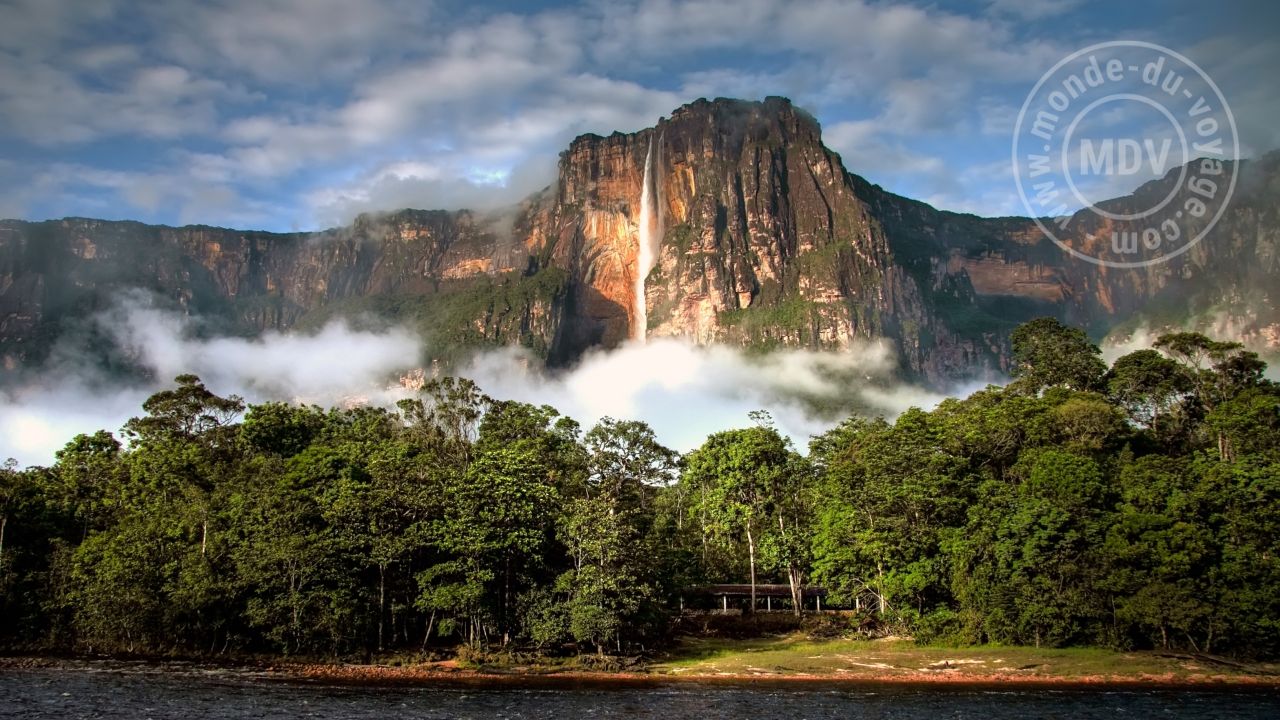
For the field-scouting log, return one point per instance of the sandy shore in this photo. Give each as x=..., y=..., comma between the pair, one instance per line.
x=377, y=674
x=449, y=673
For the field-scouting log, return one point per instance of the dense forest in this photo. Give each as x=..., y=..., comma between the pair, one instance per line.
x=1135, y=506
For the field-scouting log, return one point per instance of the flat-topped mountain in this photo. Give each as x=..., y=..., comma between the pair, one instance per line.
x=728, y=222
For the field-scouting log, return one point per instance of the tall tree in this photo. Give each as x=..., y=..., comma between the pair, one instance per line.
x=494, y=537
x=626, y=461
x=739, y=474
x=1147, y=385
x=1047, y=353
x=888, y=493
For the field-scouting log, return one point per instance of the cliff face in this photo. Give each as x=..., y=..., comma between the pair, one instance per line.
x=458, y=273
x=1225, y=284
x=765, y=240
x=759, y=236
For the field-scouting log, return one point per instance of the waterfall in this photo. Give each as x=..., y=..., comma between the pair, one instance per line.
x=650, y=237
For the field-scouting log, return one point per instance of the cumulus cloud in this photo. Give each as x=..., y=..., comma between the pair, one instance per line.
x=295, y=112
x=41, y=28
x=865, y=148
x=294, y=42
x=75, y=396
x=1232, y=60
x=322, y=97
x=659, y=382
x=335, y=362
x=198, y=197
x=874, y=42
x=423, y=185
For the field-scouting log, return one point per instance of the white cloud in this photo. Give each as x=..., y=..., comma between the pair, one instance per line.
x=657, y=382
x=417, y=184
x=1233, y=62
x=304, y=100
x=293, y=42
x=997, y=117
x=41, y=28
x=865, y=149
x=869, y=148
x=121, y=194
x=922, y=105
x=48, y=105
x=981, y=189
x=73, y=397
x=1033, y=9
x=103, y=58
x=456, y=98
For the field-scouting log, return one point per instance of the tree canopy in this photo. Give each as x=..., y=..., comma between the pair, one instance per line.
x=1134, y=506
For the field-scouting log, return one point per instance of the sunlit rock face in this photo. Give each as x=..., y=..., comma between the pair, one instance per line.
x=760, y=237
x=764, y=241
x=768, y=240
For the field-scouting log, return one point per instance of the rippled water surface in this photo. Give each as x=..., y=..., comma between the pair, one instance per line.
x=192, y=695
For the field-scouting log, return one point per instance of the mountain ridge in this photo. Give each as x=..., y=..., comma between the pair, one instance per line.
x=767, y=240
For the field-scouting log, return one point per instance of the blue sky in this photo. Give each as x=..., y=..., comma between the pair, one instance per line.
x=297, y=114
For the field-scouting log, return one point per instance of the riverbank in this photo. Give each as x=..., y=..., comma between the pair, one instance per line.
x=782, y=659
x=902, y=661
x=219, y=694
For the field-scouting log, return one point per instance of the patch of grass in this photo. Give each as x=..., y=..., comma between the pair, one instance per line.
x=796, y=654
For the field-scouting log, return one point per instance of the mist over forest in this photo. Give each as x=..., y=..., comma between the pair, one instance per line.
x=1130, y=506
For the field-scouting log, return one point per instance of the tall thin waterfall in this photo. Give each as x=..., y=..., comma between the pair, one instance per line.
x=650, y=237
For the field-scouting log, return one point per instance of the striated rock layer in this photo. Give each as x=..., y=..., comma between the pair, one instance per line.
x=765, y=240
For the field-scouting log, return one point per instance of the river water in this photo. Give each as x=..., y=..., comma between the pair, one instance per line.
x=234, y=696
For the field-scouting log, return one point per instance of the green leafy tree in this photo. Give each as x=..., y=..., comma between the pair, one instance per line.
x=1047, y=353
x=1147, y=385
x=1134, y=509
x=1158, y=552
x=888, y=494
x=607, y=586
x=446, y=417
x=281, y=429
x=611, y=587
x=740, y=476
x=1247, y=424
x=1027, y=565
x=11, y=482
x=626, y=461
x=1087, y=423
x=495, y=534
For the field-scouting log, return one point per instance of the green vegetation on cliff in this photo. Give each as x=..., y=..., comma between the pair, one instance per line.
x=463, y=315
x=768, y=326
